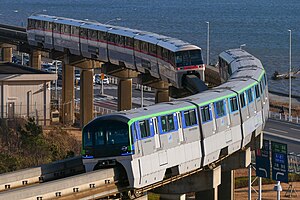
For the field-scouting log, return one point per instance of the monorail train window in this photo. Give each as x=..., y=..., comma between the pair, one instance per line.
x=265, y=79
x=144, y=47
x=99, y=137
x=56, y=27
x=165, y=54
x=152, y=49
x=144, y=128
x=233, y=104
x=172, y=57
x=75, y=30
x=205, y=114
x=88, y=139
x=31, y=23
x=220, y=108
x=243, y=101
x=182, y=58
x=66, y=29
x=46, y=25
x=190, y=117
x=137, y=45
x=92, y=34
x=196, y=57
x=83, y=32
x=120, y=40
x=250, y=95
x=167, y=123
x=128, y=42
x=159, y=51
x=257, y=93
x=101, y=35
x=38, y=24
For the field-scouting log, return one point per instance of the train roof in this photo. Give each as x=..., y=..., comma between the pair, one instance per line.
x=169, y=43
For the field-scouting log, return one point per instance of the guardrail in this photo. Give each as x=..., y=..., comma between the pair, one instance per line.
x=284, y=117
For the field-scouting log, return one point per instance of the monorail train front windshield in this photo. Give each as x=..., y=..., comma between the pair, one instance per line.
x=106, y=138
x=188, y=58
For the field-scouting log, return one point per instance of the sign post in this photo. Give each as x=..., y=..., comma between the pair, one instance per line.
x=279, y=165
x=263, y=167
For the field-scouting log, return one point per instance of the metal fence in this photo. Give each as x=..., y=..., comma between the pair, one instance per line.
x=283, y=117
x=294, y=163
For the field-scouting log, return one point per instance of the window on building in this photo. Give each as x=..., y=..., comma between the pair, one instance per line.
x=242, y=99
x=144, y=128
x=220, y=108
x=233, y=104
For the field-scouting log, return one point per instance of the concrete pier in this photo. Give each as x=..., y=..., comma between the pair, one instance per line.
x=125, y=94
x=6, y=54
x=86, y=96
x=36, y=59
x=67, y=92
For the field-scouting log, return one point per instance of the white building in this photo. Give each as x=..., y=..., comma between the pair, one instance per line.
x=24, y=92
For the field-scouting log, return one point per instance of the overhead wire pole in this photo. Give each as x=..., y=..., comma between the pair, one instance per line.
x=290, y=78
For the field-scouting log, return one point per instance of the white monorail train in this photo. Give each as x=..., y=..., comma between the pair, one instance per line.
x=163, y=57
x=186, y=134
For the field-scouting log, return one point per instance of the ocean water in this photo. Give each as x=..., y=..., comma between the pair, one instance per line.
x=260, y=24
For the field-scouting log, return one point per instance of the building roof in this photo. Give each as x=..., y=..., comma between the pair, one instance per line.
x=10, y=71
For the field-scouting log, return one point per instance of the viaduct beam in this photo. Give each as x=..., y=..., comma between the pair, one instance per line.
x=204, y=183
x=162, y=87
x=124, y=84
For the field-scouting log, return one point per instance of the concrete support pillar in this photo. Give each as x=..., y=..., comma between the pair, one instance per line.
x=211, y=194
x=67, y=93
x=36, y=59
x=86, y=96
x=124, y=94
x=162, y=95
x=7, y=54
x=226, y=189
x=144, y=197
x=172, y=196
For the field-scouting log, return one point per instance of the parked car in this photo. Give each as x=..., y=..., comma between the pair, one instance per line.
x=98, y=80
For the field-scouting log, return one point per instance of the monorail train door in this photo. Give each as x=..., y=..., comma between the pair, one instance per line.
x=180, y=130
x=156, y=133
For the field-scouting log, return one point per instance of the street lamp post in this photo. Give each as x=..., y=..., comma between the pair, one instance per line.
x=290, y=78
x=207, y=56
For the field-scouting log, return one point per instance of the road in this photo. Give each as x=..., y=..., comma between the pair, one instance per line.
x=284, y=132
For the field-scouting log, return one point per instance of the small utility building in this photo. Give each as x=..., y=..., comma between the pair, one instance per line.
x=25, y=92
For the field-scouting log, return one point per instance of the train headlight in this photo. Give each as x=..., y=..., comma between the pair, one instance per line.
x=124, y=148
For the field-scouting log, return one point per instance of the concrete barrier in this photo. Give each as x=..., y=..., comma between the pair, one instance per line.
x=62, y=187
x=55, y=170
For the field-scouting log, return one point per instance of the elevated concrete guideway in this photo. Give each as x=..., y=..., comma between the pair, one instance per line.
x=16, y=37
